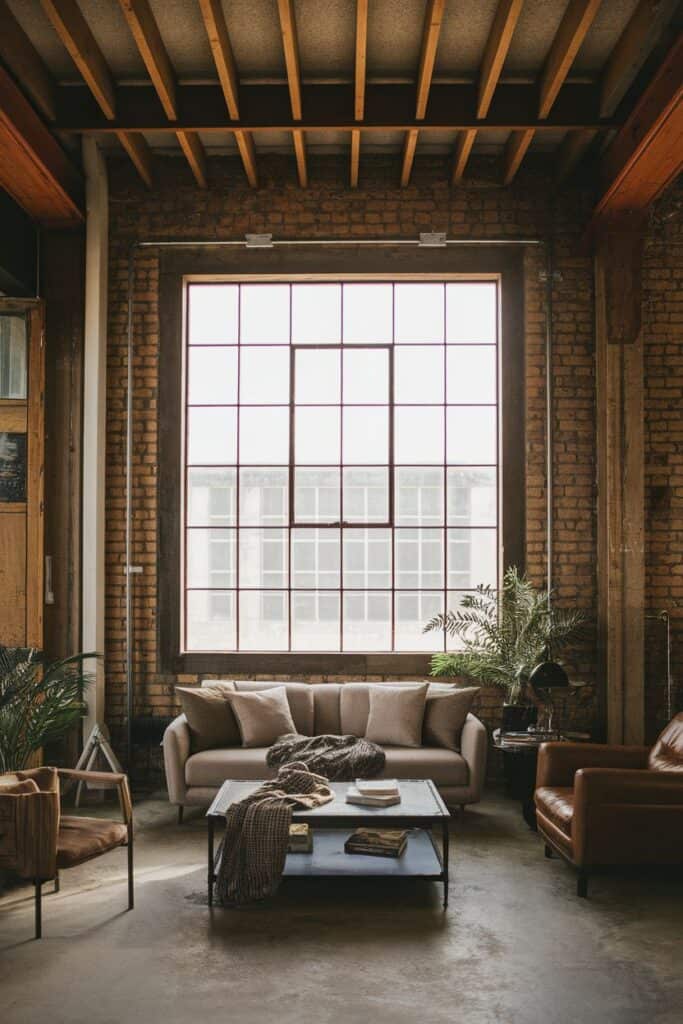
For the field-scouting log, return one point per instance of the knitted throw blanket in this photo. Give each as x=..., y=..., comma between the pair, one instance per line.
x=338, y=758
x=254, y=846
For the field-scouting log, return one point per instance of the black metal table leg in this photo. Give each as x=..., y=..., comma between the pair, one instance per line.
x=211, y=871
x=444, y=853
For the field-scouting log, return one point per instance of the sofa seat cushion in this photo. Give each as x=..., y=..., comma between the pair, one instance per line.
x=444, y=767
x=556, y=803
x=81, y=839
x=213, y=767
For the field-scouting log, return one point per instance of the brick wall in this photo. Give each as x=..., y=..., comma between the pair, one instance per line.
x=227, y=209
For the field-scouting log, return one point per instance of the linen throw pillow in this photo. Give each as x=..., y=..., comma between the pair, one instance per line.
x=446, y=709
x=210, y=717
x=262, y=715
x=396, y=715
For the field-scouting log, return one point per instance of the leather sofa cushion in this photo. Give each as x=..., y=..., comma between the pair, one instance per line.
x=213, y=767
x=299, y=697
x=667, y=753
x=556, y=803
x=81, y=839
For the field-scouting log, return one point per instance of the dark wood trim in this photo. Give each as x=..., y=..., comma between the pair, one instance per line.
x=341, y=262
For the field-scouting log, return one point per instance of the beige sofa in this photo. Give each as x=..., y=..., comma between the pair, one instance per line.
x=318, y=708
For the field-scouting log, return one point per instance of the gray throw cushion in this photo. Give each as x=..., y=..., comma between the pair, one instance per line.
x=445, y=712
x=396, y=715
x=209, y=715
x=262, y=716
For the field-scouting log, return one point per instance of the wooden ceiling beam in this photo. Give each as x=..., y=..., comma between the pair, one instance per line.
x=223, y=58
x=74, y=32
x=290, y=46
x=572, y=149
x=25, y=63
x=567, y=42
x=515, y=151
x=145, y=32
x=360, y=72
x=431, y=31
x=632, y=49
x=463, y=148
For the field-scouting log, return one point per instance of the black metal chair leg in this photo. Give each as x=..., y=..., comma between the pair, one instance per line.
x=56, y=889
x=131, y=892
x=582, y=885
x=180, y=814
x=38, y=900
x=548, y=851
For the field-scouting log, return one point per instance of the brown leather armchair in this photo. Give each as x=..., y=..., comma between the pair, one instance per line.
x=599, y=805
x=36, y=840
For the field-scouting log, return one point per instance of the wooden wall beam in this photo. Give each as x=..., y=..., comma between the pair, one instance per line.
x=290, y=47
x=25, y=63
x=430, y=40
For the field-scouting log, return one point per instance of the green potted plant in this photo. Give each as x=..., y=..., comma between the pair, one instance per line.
x=505, y=635
x=39, y=702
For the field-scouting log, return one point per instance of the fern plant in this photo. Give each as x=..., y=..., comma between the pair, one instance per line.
x=38, y=702
x=505, y=634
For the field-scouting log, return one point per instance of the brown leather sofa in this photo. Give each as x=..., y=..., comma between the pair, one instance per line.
x=599, y=805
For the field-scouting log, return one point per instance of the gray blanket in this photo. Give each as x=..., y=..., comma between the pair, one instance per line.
x=338, y=758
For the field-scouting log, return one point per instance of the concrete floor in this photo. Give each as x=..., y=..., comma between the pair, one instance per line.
x=516, y=945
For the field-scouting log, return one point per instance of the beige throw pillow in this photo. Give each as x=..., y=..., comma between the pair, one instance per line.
x=262, y=715
x=209, y=715
x=396, y=714
x=445, y=712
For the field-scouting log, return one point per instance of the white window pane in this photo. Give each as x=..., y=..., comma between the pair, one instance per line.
x=453, y=601
x=367, y=622
x=418, y=374
x=471, y=374
x=471, y=312
x=210, y=621
x=315, y=622
x=315, y=558
x=264, y=436
x=366, y=376
x=212, y=314
x=264, y=497
x=418, y=435
x=211, y=558
x=211, y=497
x=212, y=376
x=472, y=558
x=13, y=356
x=317, y=495
x=366, y=435
x=316, y=314
x=367, y=559
x=472, y=497
x=317, y=436
x=263, y=558
x=412, y=613
x=471, y=436
x=419, y=311
x=368, y=314
x=419, y=559
x=419, y=497
x=211, y=436
x=366, y=495
x=264, y=622
x=264, y=376
x=317, y=377
x=264, y=314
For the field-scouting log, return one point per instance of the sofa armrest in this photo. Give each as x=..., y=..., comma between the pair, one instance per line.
x=473, y=747
x=594, y=786
x=176, y=747
x=559, y=762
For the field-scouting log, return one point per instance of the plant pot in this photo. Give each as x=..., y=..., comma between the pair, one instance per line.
x=518, y=717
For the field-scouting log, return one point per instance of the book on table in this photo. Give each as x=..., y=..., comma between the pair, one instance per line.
x=377, y=787
x=300, y=838
x=387, y=842
x=354, y=796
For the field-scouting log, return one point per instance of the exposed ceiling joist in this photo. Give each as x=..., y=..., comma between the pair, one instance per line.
x=25, y=63
x=290, y=47
x=496, y=49
x=145, y=32
x=360, y=72
x=33, y=167
x=221, y=49
x=572, y=149
x=74, y=32
x=430, y=41
x=632, y=49
x=515, y=151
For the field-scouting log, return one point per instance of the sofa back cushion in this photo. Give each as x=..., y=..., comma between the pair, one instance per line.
x=326, y=697
x=396, y=715
x=667, y=753
x=354, y=704
x=299, y=697
x=263, y=715
x=446, y=709
x=210, y=718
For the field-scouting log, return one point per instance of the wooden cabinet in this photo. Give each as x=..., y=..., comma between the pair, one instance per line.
x=22, y=390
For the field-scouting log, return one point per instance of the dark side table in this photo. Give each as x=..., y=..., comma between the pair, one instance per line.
x=520, y=758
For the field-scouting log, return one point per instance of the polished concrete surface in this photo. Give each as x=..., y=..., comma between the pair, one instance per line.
x=516, y=946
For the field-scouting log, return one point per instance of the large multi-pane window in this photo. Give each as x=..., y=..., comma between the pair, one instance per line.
x=341, y=454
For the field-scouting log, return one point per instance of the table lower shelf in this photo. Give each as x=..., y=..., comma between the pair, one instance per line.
x=328, y=859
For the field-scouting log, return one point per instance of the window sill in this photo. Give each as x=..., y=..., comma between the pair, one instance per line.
x=313, y=663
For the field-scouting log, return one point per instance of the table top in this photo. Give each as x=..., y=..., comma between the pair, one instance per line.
x=420, y=801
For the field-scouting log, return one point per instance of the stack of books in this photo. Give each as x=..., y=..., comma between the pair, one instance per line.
x=374, y=793
x=300, y=838
x=386, y=842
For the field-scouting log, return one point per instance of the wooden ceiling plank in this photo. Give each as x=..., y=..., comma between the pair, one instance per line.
x=247, y=151
x=25, y=63
x=75, y=34
x=463, y=148
x=290, y=46
x=360, y=73
x=632, y=49
x=355, y=158
x=431, y=31
x=497, y=46
x=572, y=150
x=191, y=145
x=567, y=42
x=409, y=147
x=137, y=149
x=515, y=151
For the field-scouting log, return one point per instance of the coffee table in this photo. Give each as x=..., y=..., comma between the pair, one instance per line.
x=421, y=809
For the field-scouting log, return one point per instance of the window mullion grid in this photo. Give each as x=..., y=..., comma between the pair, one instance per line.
x=341, y=474
x=238, y=639
x=445, y=467
x=392, y=470
x=292, y=471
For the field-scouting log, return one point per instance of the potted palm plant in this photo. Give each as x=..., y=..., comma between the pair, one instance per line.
x=39, y=702
x=505, y=635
